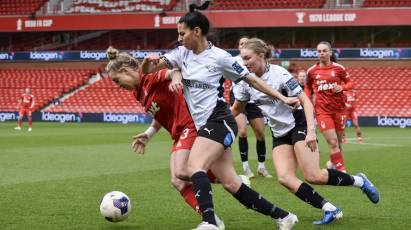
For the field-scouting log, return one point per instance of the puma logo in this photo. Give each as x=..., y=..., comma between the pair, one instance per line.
x=303, y=132
x=209, y=131
x=197, y=193
x=339, y=180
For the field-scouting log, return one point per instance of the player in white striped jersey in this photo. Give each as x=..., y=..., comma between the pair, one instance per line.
x=204, y=68
x=294, y=138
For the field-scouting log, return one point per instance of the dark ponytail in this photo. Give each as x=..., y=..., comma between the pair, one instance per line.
x=194, y=18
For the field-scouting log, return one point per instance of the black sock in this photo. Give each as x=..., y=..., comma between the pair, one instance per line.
x=252, y=200
x=202, y=190
x=307, y=194
x=339, y=178
x=243, y=147
x=261, y=151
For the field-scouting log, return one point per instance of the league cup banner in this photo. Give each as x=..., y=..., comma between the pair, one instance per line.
x=219, y=19
x=99, y=55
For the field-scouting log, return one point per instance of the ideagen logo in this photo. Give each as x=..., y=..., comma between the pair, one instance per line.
x=394, y=121
x=44, y=55
x=143, y=54
x=61, y=117
x=379, y=53
x=92, y=55
x=121, y=118
x=7, y=117
x=308, y=53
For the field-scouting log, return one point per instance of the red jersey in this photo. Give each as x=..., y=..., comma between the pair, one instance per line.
x=26, y=101
x=323, y=80
x=168, y=108
x=350, y=98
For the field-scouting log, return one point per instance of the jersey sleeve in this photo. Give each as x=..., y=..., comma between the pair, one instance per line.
x=232, y=69
x=174, y=59
x=290, y=84
x=241, y=91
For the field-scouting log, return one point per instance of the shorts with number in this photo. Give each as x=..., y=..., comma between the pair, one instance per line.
x=222, y=132
x=329, y=121
x=298, y=133
x=186, y=139
x=24, y=111
x=351, y=114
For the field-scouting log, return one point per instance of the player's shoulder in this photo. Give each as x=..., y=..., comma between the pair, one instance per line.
x=312, y=68
x=338, y=66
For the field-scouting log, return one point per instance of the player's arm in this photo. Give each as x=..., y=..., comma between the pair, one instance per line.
x=140, y=140
x=19, y=101
x=308, y=89
x=32, y=103
x=238, y=107
x=152, y=64
x=263, y=87
x=176, y=77
x=311, y=138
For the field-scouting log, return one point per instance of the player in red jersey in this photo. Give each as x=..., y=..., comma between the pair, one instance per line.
x=351, y=114
x=328, y=80
x=168, y=110
x=25, y=106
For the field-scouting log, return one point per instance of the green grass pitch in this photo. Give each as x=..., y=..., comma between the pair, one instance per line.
x=55, y=176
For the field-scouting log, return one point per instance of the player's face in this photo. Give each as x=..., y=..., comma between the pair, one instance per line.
x=253, y=61
x=241, y=42
x=324, y=53
x=27, y=91
x=301, y=78
x=188, y=37
x=126, y=78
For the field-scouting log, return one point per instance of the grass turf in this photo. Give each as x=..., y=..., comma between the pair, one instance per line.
x=55, y=176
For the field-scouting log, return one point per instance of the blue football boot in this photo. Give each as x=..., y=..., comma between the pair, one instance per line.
x=330, y=216
x=369, y=189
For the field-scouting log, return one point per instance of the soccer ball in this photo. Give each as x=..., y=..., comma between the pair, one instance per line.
x=115, y=206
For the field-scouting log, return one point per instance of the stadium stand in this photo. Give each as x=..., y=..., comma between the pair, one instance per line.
x=46, y=85
x=114, y=6
x=383, y=91
x=20, y=7
x=265, y=4
x=101, y=96
x=387, y=3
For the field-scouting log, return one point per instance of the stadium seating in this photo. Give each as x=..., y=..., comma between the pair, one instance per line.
x=383, y=91
x=46, y=85
x=114, y=6
x=387, y=3
x=265, y=4
x=101, y=96
x=20, y=7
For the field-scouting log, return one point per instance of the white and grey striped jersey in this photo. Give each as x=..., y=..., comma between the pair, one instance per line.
x=203, y=79
x=280, y=115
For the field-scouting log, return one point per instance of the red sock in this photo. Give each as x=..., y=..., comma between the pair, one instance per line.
x=30, y=123
x=189, y=197
x=338, y=160
x=19, y=123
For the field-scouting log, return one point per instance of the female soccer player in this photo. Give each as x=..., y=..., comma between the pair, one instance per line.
x=294, y=138
x=351, y=114
x=203, y=66
x=25, y=106
x=326, y=80
x=256, y=119
x=168, y=110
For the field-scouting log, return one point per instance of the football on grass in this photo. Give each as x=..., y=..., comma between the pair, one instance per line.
x=115, y=206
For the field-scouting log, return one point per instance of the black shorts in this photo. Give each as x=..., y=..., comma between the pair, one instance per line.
x=298, y=133
x=252, y=111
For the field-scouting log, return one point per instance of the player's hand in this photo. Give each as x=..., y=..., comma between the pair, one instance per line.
x=152, y=59
x=175, y=86
x=293, y=102
x=311, y=140
x=337, y=89
x=139, y=143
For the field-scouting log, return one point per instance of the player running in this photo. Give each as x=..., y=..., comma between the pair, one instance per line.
x=25, y=105
x=328, y=80
x=203, y=67
x=168, y=110
x=351, y=114
x=294, y=138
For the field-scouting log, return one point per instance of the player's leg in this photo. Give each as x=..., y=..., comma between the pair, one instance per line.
x=20, y=120
x=29, y=117
x=257, y=124
x=328, y=130
x=357, y=127
x=241, y=121
x=224, y=170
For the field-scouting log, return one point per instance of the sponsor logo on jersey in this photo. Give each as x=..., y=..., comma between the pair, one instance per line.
x=237, y=67
x=323, y=85
x=153, y=109
x=292, y=84
x=212, y=69
x=394, y=121
x=196, y=84
x=7, y=117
